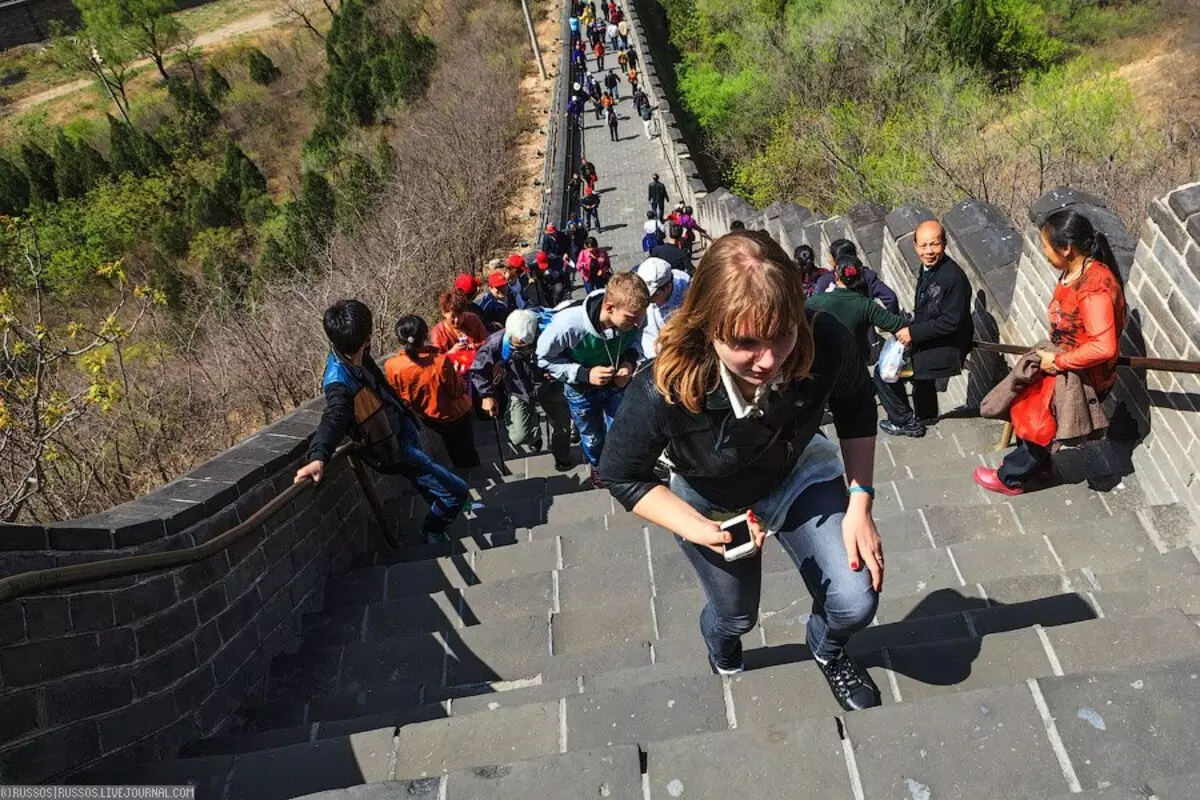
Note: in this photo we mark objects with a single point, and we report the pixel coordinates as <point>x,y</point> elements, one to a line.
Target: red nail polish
<point>854,565</point>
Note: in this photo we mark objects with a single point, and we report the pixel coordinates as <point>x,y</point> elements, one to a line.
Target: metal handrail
<point>1135,362</point>
<point>26,583</point>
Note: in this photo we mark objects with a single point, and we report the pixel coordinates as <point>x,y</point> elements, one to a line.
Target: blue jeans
<point>593,412</point>
<point>591,218</point>
<point>843,600</point>
<point>442,489</point>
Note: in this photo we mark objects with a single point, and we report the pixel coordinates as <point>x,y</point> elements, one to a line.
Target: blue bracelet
<point>867,490</point>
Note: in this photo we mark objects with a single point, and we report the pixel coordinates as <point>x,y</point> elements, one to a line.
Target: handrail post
<point>1005,437</point>
<point>364,480</point>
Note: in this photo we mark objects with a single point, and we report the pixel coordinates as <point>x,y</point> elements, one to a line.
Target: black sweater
<point>735,463</point>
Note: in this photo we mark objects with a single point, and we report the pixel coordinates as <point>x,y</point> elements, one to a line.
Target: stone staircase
<point>1028,647</point>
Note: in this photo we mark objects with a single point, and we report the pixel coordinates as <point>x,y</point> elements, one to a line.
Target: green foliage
<point>215,83</point>
<point>371,67</point>
<point>14,189</point>
<point>357,192</point>
<point>241,178</point>
<point>39,167</point>
<point>146,26</point>
<point>191,99</point>
<point>316,206</point>
<point>262,69</point>
<point>218,252</point>
<point>1004,38</point>
<point>208,209</point>
<point>124,148</point>
<point>77,166</point>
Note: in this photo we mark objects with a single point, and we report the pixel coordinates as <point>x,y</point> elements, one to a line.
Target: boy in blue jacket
<point>360,402</point>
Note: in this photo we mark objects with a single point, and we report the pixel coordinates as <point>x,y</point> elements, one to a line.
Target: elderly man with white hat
<point>508,379</point>
<point>667,288</point>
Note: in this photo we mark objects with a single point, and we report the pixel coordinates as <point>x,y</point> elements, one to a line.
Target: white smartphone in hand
<point>742,543</point>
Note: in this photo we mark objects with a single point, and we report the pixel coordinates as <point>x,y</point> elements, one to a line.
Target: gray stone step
<point>1127,727</point>
<point>985,743</point>
<point>609,773</point>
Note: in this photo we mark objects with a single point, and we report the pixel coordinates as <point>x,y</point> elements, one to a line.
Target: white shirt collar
<point>742,409</point>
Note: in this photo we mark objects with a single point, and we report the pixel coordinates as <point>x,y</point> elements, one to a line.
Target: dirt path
<point>251,24</point>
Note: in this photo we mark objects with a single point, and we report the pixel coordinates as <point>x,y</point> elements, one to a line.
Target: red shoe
<point>988,479</point>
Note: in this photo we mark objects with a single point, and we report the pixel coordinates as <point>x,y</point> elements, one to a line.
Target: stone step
<point>769,702</point>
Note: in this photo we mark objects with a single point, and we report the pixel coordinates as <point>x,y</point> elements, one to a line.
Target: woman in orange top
<point>427,381</point>
<point>459,329</point>
<point>1087,315</point>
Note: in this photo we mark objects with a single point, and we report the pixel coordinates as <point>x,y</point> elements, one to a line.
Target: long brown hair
<point>745,285</point>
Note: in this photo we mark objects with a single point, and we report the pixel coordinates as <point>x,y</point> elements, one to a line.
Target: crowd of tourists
<point>698,393</point>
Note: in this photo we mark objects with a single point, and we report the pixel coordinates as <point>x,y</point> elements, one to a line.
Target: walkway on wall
<point>623,169</point>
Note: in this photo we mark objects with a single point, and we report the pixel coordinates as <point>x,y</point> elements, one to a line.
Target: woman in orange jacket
<point>427,381</point>
<point>1087,315</point>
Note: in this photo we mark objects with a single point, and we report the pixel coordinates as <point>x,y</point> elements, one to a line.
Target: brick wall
<point>131,669</point>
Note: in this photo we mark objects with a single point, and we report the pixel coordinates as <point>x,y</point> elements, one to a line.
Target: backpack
<point>374,428</point>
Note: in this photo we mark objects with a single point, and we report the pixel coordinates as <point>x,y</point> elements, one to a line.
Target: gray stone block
<point>936,600</point>
<point>588,587</point>
<point>1065,504</point>
<point>479,699</point>
<point>602,773</point>
<point>1185,201</point>
<point>903,221</point>
<point>528,595</point>
<point>963,665</point>
<point>368,702</point>
<point>367,665</point>
<point>929,449</point>
<point>581,507</point>
<point>917,571</point>
<point>589,663</point>
<point>1102,545</point>
<point>312,767</point>
<point>615,625</point>
<point>1127,727</point>
<point>1169,226</point>
<point>477,740</point>
<point>1116,642</point>
<point>366,586</point>
<point>773,697</point>
<point>501,563</point>
<point>505,650</point>
<point>652,712</point>
<point>412,615</point>
<point>419,789</point>
<point>1177,787</point>
<point>985,560</point>
<point>790,760</point>
<point>961,746</point>
<point>960,490</point>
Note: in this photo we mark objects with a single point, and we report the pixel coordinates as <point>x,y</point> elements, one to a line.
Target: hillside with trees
<point>163,265</point>
<point>829,103</point>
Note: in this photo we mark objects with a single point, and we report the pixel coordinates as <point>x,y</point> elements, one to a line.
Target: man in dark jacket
<point>360,403</point>
<point>939,335</point>
<point>506,374</point>
<point>671,252</point>
<point>656,195</point>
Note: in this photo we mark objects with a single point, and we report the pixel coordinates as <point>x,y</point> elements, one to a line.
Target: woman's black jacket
<point>735,463</point>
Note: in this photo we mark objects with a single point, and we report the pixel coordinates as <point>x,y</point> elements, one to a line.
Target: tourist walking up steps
<point>1087,315</point>
<point>592,348</point>
<point>506,375</point>
<point>360,403</point>
<point>735,399</point>
<point>656,195</point>
<point>428,382</point>
<point>613,120</point>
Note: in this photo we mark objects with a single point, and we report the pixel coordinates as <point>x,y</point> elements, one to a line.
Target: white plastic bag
<point>891,360</point>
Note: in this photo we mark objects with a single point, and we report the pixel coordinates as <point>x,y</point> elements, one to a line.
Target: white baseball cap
<point>655,273</point>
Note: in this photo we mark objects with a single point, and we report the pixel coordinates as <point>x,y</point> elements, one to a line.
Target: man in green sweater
<point>849,304</point>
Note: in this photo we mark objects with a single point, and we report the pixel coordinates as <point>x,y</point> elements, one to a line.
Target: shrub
<point>207,209</point>
<point>14,189</point>
<point>262,69</point>
<point>39,166</point>
<point>215,83</point>
<point>124,148</point>
<point>189,98</point>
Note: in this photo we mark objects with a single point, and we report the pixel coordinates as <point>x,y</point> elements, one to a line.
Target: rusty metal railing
<point>27,583</point>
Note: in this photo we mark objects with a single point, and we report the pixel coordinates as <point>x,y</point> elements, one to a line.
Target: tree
<point>262,69</point>
<point>69,173</point>
<point>105,58</point>
<point>124,148</point>
<point>146,26</point>
<point>190,99</point>
<point>216,83</point>
<point>53,375</point>
<point>316,206</point>
<point>293,11</point>
<point>39,166</point>
<point>14,189</point>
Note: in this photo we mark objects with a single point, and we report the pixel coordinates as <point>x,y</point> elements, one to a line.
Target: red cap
<point>543,260</point>
<point>516,261</point>
<point>467,283</point>
<point>551,229</point>
<point>497,279</point>
<point>587,190</point>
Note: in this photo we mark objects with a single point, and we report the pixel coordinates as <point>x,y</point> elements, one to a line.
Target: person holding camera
<point>735,398</point>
